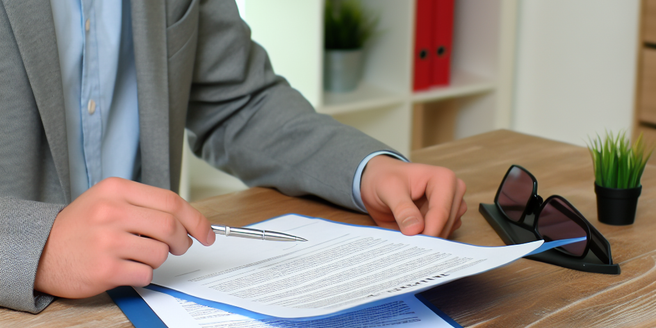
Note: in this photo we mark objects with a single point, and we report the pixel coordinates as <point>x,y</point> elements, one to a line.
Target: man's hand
<point>414,198</point>
<point>115,234</point>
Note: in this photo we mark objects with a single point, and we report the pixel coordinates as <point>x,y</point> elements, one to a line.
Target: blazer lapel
<point>34,30</point>
<point>149,33</point>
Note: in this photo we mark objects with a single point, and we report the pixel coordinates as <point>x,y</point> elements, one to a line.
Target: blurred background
<point>559,69</point>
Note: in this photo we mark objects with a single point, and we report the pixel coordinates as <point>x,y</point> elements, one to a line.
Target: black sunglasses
<point>552,219</point>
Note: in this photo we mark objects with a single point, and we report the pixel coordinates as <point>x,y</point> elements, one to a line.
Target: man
<point>94,99</point>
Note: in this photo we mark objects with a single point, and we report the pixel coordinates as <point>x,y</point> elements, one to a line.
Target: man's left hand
<point>415,198</point>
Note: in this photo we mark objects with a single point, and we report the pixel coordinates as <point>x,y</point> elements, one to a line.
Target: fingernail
<point>211,237</point>
<point>409,221</point>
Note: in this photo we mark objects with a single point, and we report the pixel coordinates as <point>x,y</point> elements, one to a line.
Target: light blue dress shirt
<point>94,40</point>
<point>96,56</point>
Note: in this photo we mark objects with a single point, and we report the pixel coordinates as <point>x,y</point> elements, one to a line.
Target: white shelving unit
<point>384,106</point>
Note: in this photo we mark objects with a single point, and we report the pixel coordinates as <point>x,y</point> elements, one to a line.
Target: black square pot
<point>617,206</point>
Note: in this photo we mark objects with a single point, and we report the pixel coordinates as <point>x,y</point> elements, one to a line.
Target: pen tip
<point>300,239</point>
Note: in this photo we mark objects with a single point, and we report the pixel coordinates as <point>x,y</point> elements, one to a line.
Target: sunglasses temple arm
<point>597,239</point>
<point>597,242</point>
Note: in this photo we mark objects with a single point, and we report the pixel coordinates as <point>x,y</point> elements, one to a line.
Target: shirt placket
<point>90,105</point>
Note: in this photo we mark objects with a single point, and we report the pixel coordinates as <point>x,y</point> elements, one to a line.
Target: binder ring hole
<point>441,51</point>
<point>423,54</point>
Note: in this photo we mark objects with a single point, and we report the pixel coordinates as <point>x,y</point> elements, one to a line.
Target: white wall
<point>575,69</point>
<point>302,66</point>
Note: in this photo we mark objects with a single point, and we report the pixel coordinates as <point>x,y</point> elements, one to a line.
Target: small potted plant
<point>347,27</point>
<point>618,167</point>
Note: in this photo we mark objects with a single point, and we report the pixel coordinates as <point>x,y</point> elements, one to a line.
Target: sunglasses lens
<point>515,192</point>
<point>556,222</point>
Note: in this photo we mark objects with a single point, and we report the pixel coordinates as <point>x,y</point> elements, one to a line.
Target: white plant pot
<point>342,70</point>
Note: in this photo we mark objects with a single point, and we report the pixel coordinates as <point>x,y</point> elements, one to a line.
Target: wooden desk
<point>517,295</point>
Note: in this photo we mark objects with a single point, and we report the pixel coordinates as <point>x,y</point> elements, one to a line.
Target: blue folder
<point>142,316</point>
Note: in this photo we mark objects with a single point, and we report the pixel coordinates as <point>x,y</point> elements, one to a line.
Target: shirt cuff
<point>357,179</point>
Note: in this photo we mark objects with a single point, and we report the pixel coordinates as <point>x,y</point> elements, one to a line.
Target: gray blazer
<point>196,69</point>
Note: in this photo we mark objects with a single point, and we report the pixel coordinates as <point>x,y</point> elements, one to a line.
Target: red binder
<point>423,44</point>
<point>442,41</point>
<point>433,41</point>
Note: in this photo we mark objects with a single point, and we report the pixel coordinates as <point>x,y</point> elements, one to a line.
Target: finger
<point>455,208</point>
<point>440,195</point>
<point>455,226</point>
<point>160,226</point>
<point>144,250</point>
<point>383,216</point>
<point>463,208</point>
<point>131,273</point>
<point>458,222</point>
<point>163,200</point>
<point>191,219</point>
<point>407,215</point>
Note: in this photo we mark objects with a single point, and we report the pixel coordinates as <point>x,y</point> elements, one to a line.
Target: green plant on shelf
<point>348,25</point>
<point>617,163</point>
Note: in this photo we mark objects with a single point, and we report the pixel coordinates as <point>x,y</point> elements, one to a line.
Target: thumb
<point>405,212</point>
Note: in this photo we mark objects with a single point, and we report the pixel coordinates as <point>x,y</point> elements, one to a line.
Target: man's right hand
<point>115,234</point>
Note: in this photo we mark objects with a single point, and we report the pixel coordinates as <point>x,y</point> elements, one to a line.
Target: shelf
<point>365,97</point>
<point>368,96</point>
<point>462,84</point>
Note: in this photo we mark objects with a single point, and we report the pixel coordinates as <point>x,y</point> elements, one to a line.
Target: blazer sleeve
<point>24,229</point>
<point>246,120</point>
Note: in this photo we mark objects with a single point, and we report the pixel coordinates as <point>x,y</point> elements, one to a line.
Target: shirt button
<point>91,107</point>
<point>87,25</point>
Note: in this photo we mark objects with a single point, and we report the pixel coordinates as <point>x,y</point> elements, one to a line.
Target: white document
<point>339,268</point>
<point>402,312</point>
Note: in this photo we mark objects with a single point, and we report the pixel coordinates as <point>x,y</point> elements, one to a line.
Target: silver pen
<point>254,233</point>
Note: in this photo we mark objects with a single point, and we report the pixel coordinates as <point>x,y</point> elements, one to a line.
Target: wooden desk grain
<point>524,293</point>
<point>529,293</point>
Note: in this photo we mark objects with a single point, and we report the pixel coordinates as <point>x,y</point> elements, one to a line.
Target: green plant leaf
<point>347,24</point>
<point>616,162</point>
